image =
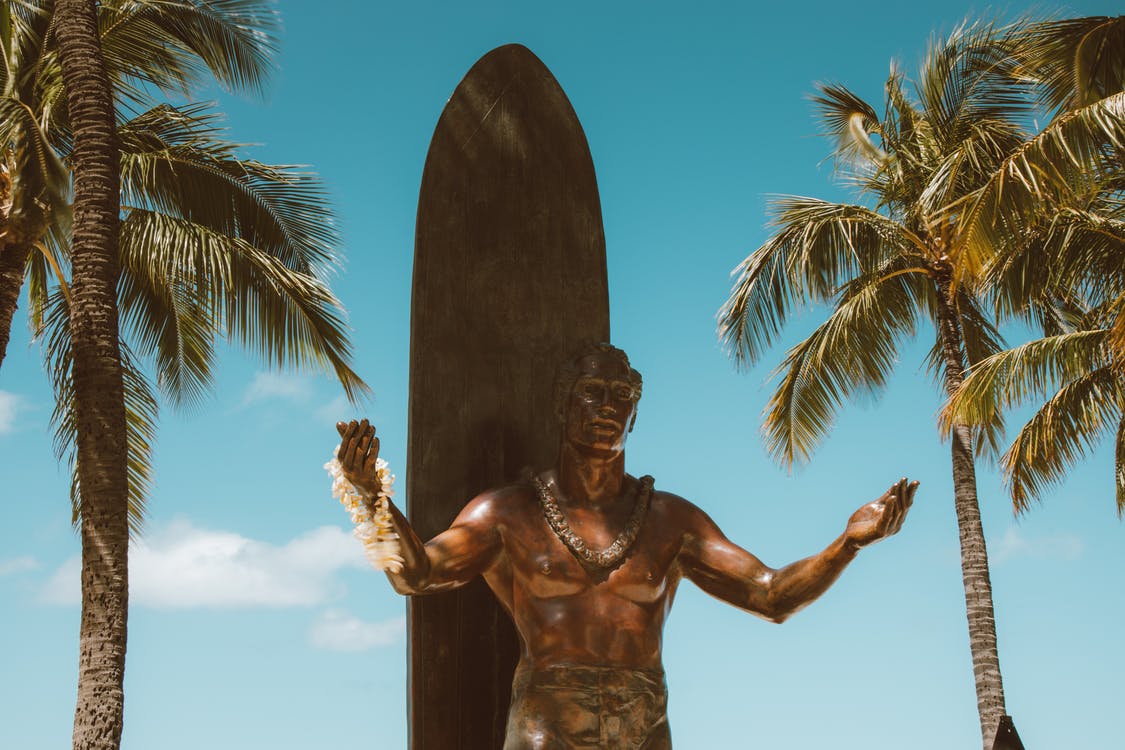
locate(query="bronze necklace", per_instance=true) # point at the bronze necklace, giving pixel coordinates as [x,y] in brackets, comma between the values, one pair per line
[612,555]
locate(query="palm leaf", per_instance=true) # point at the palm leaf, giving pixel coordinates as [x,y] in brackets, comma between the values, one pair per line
[1033,176]
[853,352]
[1037,368]
[175,161]
[818,248]
[287,317]
[141,411]
[849,121]
[1075,61]
[1062,432]
[965,80]
[173,45]
[39,175]
[1119,468]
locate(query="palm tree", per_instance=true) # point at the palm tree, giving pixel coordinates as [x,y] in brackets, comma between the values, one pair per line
[149,47]
[211,244]
[883,268]
[99,399]
[1066,273]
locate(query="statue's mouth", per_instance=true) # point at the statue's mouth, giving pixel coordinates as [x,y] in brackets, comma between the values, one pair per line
[605,425]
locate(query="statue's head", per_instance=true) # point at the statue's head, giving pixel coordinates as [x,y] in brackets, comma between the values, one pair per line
[596,395]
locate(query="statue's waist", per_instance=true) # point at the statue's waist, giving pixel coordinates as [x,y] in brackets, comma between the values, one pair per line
[590,678]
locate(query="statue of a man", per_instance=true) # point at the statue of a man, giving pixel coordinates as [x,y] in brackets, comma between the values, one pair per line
[586,559]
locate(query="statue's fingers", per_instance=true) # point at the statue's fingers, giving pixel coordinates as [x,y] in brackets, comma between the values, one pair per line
[910,490]
[351,444]
[903,499]
[348,431]
[342,428]
[365,436]
[893,508]
[905,502]
[372,456]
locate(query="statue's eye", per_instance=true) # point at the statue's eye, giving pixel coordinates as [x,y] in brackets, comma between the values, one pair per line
[623,392]
[590,389]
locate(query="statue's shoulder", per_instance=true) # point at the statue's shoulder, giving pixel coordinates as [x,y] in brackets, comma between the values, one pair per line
[499,503]
[673,509]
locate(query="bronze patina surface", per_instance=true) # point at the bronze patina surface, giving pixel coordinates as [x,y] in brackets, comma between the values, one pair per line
[572,616]
[588,708]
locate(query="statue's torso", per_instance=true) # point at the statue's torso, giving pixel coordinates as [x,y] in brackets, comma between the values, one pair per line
[567,613]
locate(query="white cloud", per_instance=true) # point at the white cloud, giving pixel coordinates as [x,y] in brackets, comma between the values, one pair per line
[10,403]
[339,631]
[182,566]
[1014,544]
[335,410]
[268,385]
[17,565]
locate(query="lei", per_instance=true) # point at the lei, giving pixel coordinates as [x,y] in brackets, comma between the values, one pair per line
[373,524]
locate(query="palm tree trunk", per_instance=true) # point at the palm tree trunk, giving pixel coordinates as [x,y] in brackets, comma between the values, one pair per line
[974,555]
[99,399]
[13,260]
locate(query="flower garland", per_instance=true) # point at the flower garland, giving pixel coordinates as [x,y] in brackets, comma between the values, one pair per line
[373,524]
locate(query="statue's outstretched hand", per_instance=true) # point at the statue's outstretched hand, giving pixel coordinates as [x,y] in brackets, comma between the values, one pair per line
[883,516]
[359,449]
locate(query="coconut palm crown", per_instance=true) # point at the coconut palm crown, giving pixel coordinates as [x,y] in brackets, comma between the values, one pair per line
[213,245]
[883,266]
[1062,196]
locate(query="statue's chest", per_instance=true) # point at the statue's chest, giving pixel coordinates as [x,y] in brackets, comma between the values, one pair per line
[546,567]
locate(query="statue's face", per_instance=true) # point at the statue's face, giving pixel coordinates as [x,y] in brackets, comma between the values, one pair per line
[602,404]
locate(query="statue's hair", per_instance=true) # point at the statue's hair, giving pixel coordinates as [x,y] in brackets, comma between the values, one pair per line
[570,370]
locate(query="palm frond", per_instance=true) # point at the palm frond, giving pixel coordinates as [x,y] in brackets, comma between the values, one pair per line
[175,161]
[168,316]
[1087,251]
[1062,432]
[39,177]
[174,44]
[1119,468]
[287,317]
[849,121]
[1014,376]
[818,248]
[1074,61]
[141,411]
[967,163]
[1034,176]
[853,352]
[980,340]
[966,79]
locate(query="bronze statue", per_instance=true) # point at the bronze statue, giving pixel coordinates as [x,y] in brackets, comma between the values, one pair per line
[586,559]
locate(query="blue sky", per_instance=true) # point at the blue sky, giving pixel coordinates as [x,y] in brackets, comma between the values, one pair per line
[255,622]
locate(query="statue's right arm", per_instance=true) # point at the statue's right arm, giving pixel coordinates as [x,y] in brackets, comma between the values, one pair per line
[452,558]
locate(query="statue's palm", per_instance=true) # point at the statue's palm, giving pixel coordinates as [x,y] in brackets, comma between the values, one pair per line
[883,516]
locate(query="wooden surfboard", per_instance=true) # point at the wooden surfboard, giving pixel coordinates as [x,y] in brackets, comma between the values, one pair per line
[509,280]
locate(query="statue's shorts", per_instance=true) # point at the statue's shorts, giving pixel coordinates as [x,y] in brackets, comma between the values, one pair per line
[588,708]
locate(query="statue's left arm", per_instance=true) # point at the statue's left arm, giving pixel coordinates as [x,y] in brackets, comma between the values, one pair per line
[723,569]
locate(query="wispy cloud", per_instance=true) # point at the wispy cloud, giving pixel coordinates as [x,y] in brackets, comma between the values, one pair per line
[276,385]
[10,404]
[1014,544]
[18,565]
[182,566]
[335,410]
[338,631]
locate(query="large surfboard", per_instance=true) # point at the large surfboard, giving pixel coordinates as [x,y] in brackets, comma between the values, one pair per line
[509,280]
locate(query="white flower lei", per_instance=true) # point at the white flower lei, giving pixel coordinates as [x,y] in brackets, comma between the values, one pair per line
[373,525]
